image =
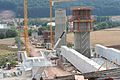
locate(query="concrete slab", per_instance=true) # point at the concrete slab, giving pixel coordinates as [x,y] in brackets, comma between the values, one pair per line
[82,63]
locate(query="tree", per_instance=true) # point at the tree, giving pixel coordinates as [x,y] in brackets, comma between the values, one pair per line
[2,36]
[40,31]
[106,25]
[30,32]
[11,33]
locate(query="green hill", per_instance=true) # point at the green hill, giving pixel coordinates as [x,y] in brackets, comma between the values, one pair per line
[40,8]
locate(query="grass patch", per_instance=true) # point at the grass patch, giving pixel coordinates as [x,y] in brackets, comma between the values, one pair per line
[7,54]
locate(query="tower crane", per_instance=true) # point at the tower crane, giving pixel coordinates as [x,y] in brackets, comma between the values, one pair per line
[26,26]
[26,22]
[52,4]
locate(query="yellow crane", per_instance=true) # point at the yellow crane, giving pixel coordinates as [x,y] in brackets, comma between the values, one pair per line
[51,4]
[26,22]
[26,26]
[51,35]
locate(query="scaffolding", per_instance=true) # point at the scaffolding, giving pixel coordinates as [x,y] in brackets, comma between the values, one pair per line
[82,25]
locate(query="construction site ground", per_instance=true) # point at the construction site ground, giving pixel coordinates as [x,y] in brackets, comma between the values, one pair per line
[53,72]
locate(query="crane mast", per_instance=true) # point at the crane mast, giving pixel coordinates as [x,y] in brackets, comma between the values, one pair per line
[26,25]
[51,35]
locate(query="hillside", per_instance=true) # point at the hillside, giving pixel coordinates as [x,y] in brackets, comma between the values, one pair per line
[107,37]
[40,8]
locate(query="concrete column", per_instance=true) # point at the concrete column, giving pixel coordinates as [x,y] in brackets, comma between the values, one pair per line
[82,25]
[60,22]
[82,43]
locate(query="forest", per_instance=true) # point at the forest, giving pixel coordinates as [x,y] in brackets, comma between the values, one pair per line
[40,8]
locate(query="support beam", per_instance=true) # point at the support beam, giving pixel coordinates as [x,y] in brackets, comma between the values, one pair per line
[82,63]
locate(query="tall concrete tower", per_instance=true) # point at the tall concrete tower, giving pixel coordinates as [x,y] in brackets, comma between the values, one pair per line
[82,25]
[60,22]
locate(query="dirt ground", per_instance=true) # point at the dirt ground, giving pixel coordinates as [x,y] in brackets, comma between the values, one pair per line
[107,37]
[56,71]
[8,41]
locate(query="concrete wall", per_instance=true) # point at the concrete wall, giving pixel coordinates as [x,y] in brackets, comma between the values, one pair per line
[82,63]
[108,53]
[100,50]
[82,43]
[34,65]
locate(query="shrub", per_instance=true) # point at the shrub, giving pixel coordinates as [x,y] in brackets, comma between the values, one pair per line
[2,36]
